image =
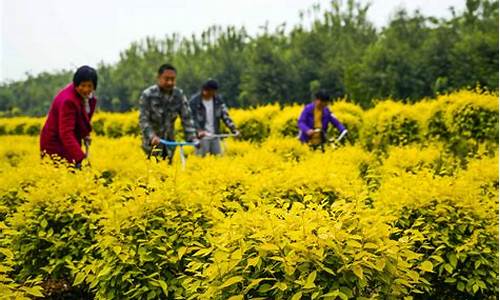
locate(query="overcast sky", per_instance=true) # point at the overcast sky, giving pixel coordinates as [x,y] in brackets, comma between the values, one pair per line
[49,35]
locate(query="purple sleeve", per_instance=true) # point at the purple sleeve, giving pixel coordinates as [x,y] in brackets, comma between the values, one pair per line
[302,121]
[336,122]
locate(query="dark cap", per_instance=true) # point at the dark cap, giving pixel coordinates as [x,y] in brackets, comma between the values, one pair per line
[210,85]
[322,95]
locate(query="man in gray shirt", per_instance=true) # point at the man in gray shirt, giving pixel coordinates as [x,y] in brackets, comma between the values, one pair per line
[159,107]
[208,109]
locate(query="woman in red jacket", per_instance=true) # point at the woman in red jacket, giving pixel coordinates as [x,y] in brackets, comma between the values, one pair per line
[68,120]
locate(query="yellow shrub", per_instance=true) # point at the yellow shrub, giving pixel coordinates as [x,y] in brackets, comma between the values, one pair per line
[126,226]
[284,123]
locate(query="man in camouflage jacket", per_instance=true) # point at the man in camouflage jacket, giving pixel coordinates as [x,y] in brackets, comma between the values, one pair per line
[159,107]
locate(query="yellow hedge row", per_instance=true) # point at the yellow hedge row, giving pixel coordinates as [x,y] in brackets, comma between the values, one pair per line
[460,119]
[273,220]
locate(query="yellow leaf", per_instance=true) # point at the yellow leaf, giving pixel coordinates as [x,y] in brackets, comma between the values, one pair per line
[34,291]
[297,296]
[413,275]
[310,281]
[203,252]
[269,247]
[426,266]
[104,271]
[370,246]
[231,281]
[7,253]
[281,286]
[358,271]
[117,249]
[181,252]
[380,264]
[255,282]
[252,262]
[163,286]
[79,278]
[353,244]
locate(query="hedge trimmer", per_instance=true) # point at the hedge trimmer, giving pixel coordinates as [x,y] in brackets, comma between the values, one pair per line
[334,142]
[181,146]
[86,142]
[220,136]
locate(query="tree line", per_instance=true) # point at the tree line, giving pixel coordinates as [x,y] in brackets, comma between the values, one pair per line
[337,48]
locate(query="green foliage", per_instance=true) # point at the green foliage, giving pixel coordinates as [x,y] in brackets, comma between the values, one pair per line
[254,130]
[462,120]
[390,123]
[446,219]
[147,256]
[334,254]
[450,239]
[8,286]
[47,236]
[334,47]
[274,220]
[290,128]
[471,121]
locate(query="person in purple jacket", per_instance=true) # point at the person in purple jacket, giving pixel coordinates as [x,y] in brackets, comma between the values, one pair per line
[314,119]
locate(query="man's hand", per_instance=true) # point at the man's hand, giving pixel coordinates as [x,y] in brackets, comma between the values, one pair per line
[203,133]
[310,132]
[155,141]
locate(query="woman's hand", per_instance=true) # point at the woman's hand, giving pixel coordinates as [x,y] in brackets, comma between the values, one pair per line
[87,140]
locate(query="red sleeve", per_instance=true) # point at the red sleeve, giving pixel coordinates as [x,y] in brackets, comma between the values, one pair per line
[92,103]
[67,122]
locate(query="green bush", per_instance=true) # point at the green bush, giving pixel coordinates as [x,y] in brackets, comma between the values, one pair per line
[146,257]
[436,127]
[294,252]
[48,236]
[9,287]
[290,128]
[114,129]
[390,123]
[351,116]
[98,126]
[475,122]
[132,129]
[453,225]
[19,128]
[453,118]
[3,129]
[461,246]
[254,130]
[464,115]
[33,129]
